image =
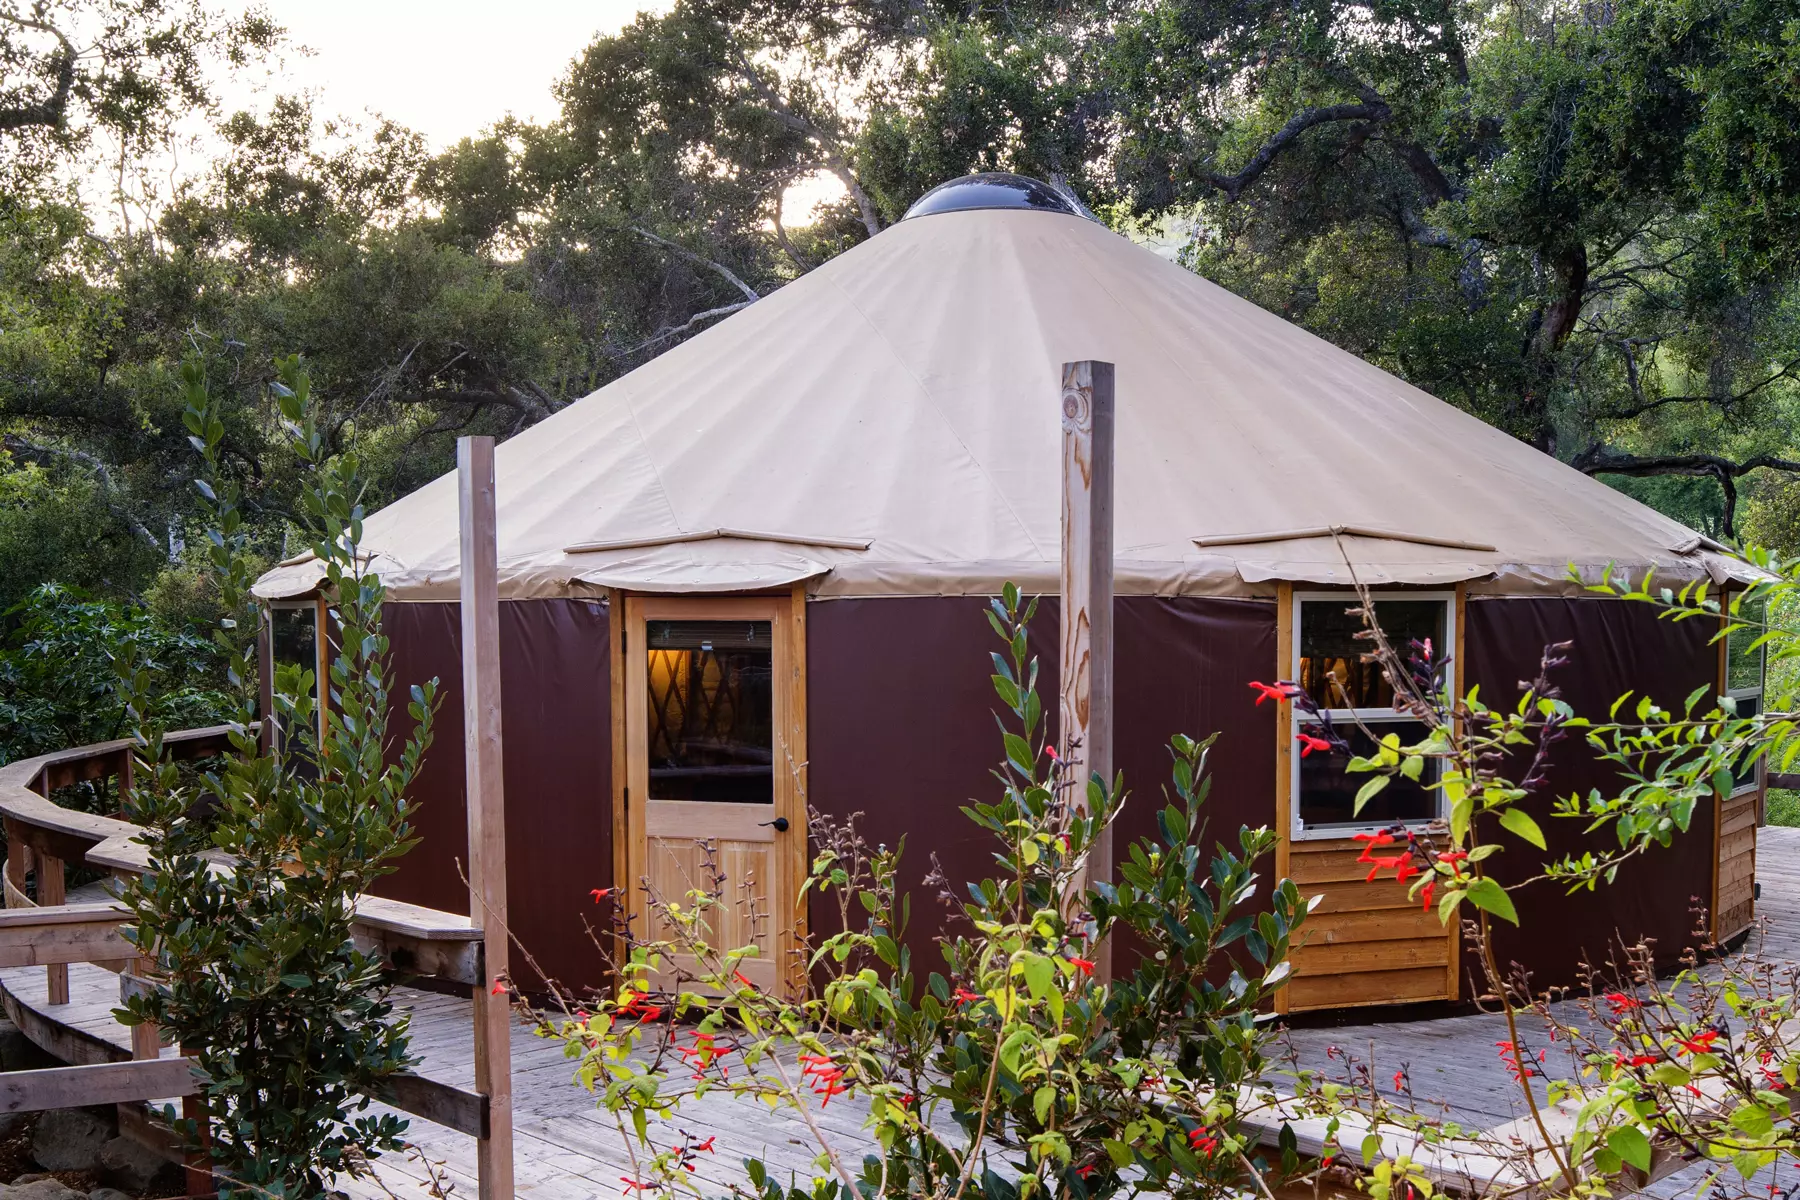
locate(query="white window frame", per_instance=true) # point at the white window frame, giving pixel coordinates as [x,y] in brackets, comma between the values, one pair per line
[1755,782]
[1297,830]
[321,653]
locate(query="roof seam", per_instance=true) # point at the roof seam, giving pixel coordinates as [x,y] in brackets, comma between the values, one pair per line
[932,401]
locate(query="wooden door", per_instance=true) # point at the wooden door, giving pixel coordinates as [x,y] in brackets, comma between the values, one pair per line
[715,753]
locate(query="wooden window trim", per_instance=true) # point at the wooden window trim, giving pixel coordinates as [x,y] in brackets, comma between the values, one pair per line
[1288,633]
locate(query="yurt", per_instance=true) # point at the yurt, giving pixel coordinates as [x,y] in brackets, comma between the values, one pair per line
[747,579]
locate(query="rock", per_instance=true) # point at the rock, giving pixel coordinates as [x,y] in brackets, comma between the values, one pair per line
[129,1164]
[69,1139]
[46,1188]
[17,1053]
[106,1193]
[31,1177]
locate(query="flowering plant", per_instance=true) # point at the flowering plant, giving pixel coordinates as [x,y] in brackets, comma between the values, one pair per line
[1652,1072]
[1019,1070]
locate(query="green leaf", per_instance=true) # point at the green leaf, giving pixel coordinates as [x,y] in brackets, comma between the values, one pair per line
[1489,896]
[1754,1120]
[1368,791]
[1041,1100]
[296,981]
[1519,822]
[1118,1151]
[1630,1144]
[1040,975]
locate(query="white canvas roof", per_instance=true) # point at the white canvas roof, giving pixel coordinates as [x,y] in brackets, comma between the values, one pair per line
[889,424]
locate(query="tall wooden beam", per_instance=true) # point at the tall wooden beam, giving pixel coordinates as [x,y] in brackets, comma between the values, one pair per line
[487,808]
[1086,702]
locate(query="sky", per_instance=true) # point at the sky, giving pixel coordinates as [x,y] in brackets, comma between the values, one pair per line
[445,68]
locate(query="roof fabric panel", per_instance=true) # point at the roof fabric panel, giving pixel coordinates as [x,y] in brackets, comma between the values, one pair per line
[907,393]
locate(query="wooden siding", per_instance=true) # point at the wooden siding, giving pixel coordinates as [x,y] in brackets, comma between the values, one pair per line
[1367,942]
[1736,904]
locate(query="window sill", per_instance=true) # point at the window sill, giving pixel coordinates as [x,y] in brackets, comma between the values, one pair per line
[1344,833]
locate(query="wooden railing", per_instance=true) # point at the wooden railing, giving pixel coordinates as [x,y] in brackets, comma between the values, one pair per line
[43,839]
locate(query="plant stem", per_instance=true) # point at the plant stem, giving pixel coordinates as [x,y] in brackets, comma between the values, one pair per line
[1512,1033]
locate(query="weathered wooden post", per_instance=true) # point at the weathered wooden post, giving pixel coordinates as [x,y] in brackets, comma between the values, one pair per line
[487,810]
[1086,706]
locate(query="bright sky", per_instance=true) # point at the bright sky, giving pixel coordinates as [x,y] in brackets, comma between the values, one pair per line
[446,68]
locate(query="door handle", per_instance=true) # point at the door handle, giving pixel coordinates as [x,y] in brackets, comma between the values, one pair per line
[780,824]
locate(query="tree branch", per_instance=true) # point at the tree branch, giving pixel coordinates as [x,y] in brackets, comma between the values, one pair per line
[1598,459]
[835,161]
[724,271]
[49,112]
[35,452]
[664,334]
[1234,185]
[1724,403]
[781,239]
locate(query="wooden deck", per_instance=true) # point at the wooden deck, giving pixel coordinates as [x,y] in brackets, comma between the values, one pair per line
[566,1148]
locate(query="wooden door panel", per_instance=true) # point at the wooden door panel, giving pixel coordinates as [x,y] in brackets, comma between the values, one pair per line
[755,867]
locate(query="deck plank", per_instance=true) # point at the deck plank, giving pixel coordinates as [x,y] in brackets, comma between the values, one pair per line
[568,1149]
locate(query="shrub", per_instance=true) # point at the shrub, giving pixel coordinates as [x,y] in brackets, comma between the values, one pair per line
[254,871]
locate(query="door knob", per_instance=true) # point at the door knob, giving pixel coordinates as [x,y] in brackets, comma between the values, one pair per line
[780,824]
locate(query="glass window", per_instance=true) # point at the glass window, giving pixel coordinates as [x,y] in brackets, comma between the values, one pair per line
[294,642]
[711,711]
[1331,667]
[1744,669]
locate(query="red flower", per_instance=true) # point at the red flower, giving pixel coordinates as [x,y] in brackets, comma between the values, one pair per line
[635,1185]
[1400,1080]
[964,996]
[1405,871]
[1309,743]
[1621,1003]
[742,980]
[1430,886]
[1204,1142]
[499,988]
[705,1147]
[1700,1043]
[1085,966]
[1051,751]
[1084,1172]
[600,894]
[1274,691]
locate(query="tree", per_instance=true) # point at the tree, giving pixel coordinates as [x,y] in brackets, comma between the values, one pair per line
[72,71]
[1565,219]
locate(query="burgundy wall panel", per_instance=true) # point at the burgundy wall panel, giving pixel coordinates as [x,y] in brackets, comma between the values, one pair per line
[1618,646]
[901,727]
[556,725]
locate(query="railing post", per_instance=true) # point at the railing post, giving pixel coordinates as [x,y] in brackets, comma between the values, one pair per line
[1086,700]
[50,892]
[486,807]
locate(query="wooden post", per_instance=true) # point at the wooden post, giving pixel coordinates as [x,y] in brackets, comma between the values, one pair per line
[1086,703]
[486,804]
[50,881]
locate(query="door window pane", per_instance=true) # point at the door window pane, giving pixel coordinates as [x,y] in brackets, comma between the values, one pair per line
[1329,645]
[711,711]
[1328,789]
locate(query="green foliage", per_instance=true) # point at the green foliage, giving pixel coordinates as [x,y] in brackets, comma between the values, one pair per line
[57,673]
[1063,1083]
[253,871]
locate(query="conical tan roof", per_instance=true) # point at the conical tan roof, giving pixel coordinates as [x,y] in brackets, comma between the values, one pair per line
[889,424]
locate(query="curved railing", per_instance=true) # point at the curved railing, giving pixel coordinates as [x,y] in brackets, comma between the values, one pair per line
[43,838]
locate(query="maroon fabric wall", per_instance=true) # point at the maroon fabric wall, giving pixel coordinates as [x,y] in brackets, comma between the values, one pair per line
[1618,646]
[900,708]
[556,722]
